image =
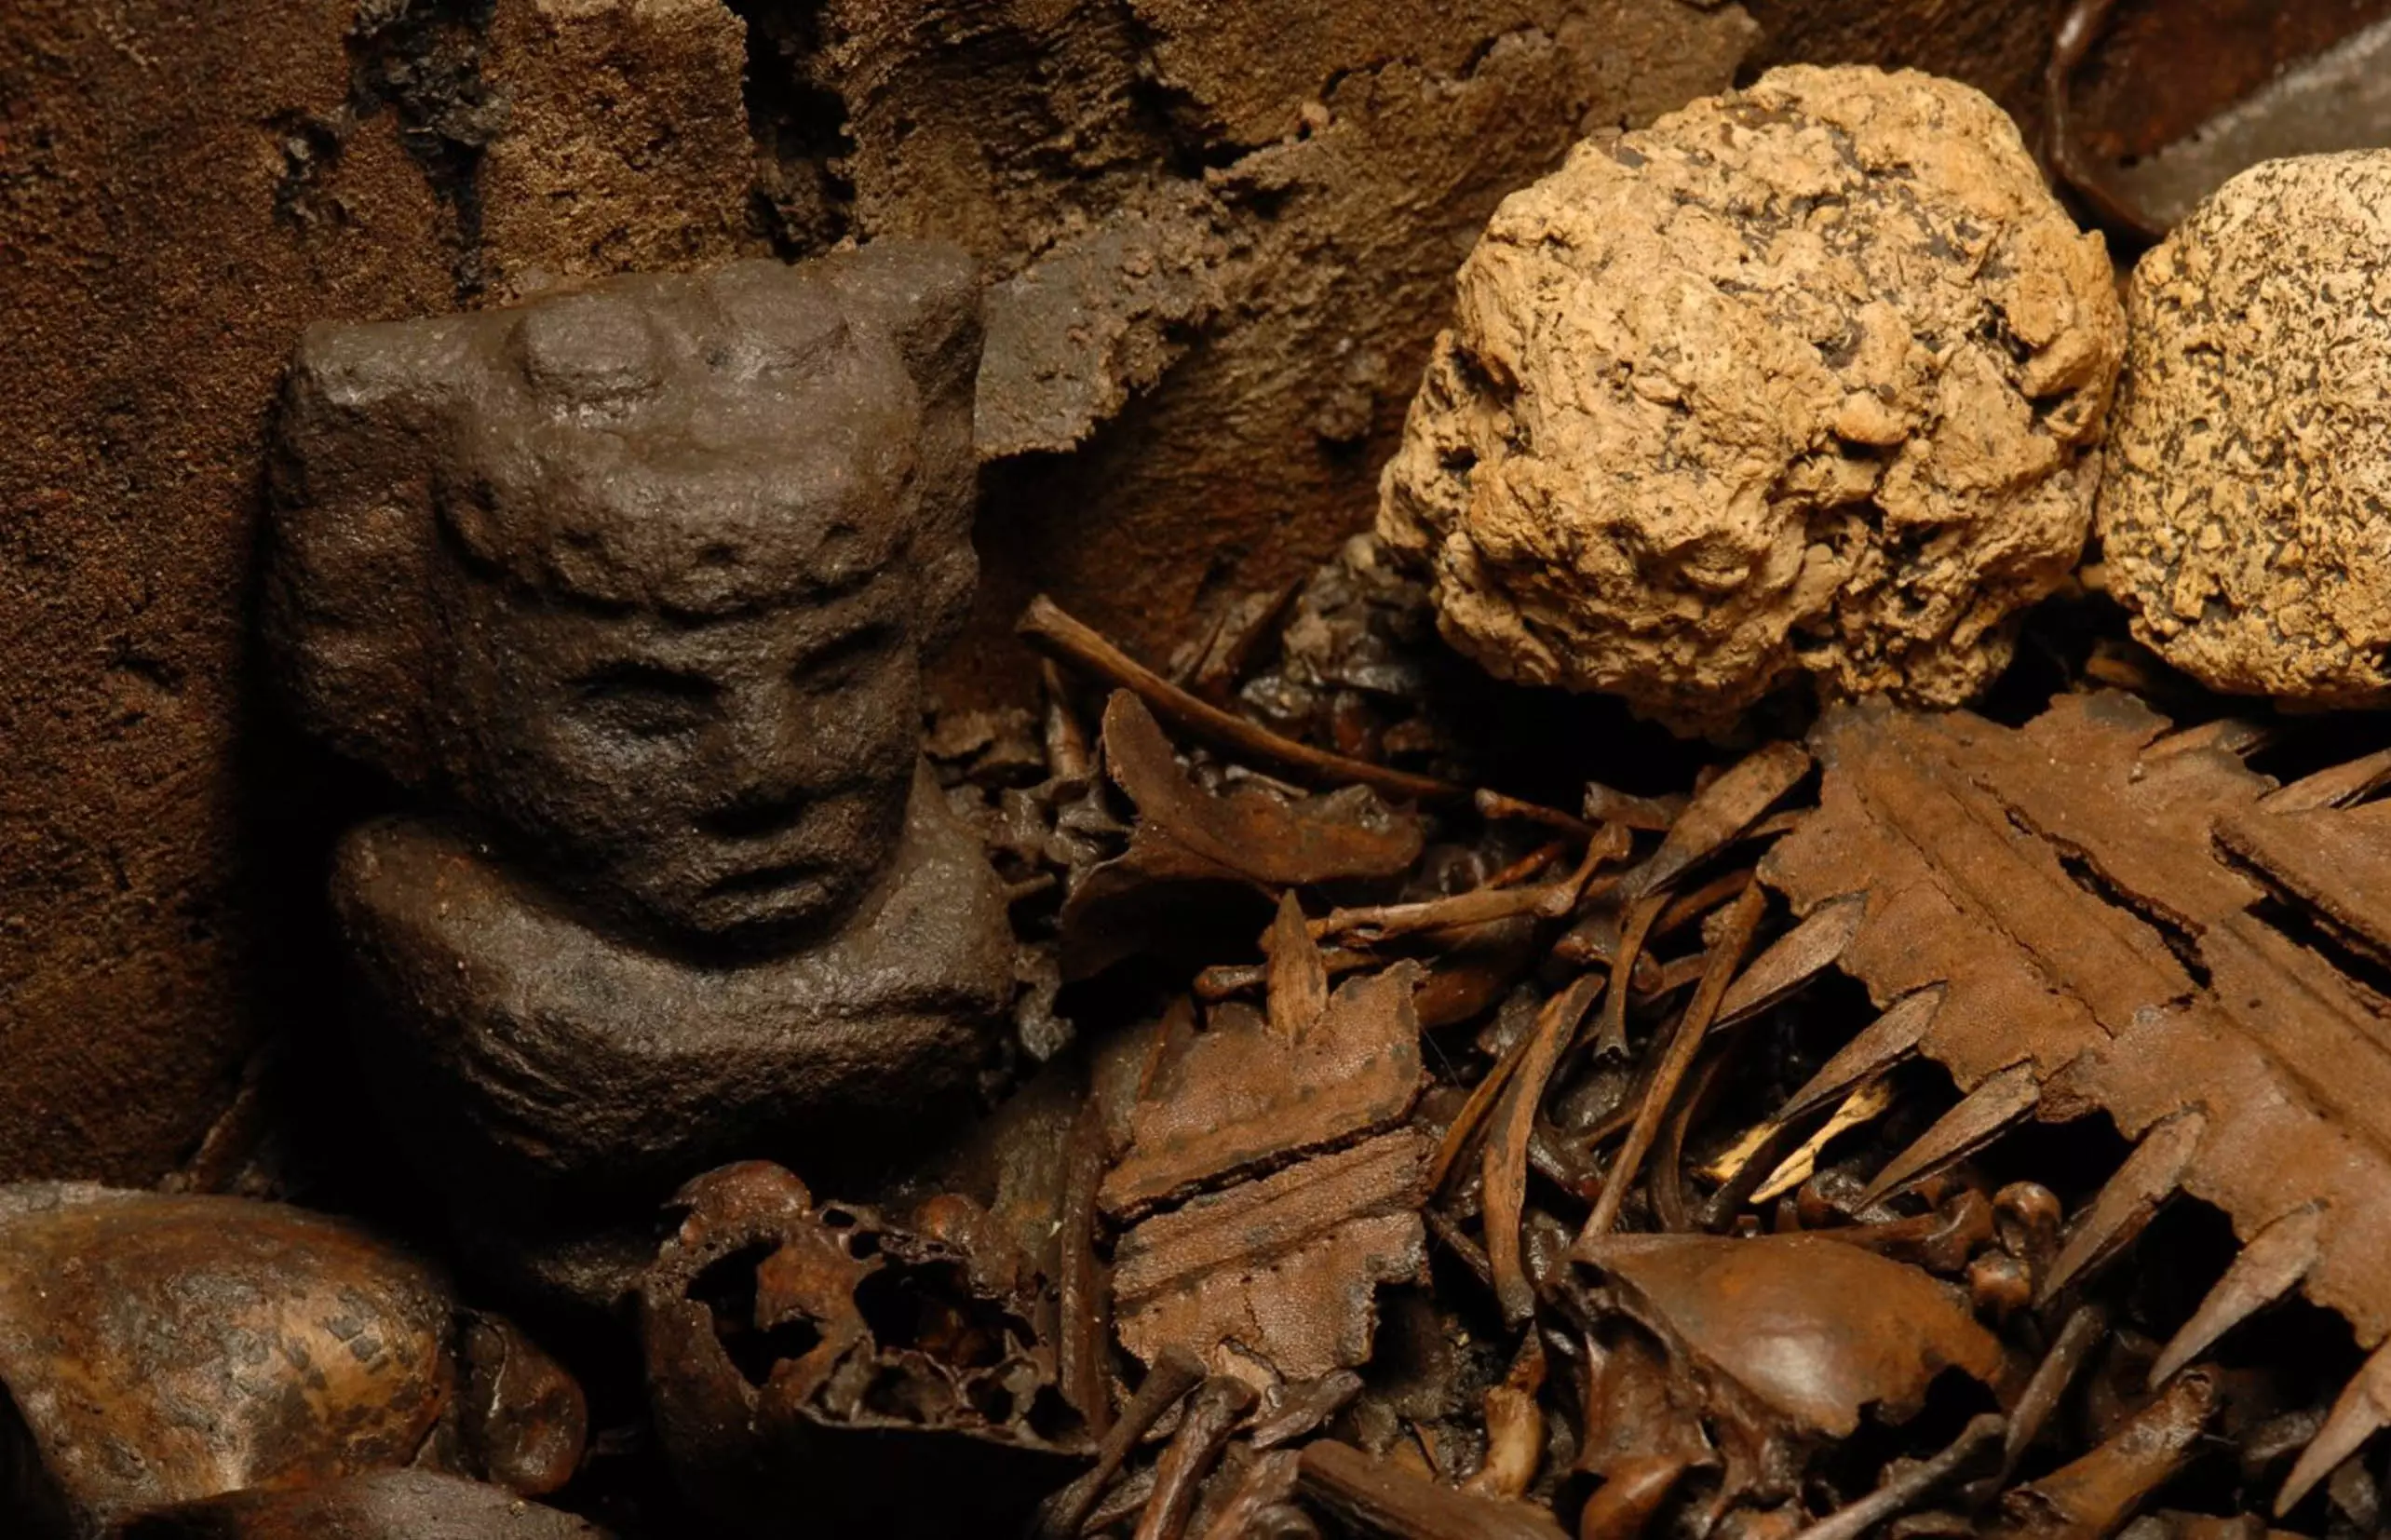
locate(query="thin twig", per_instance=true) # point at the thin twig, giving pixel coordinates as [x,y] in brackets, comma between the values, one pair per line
[1903,1491]
[2085,1329]
[1174,1373]
[1223,979]
[1495,804]
[1086,1304]
[1528,865]
[1669,1177]
[1212,1414]
[1633,931]
[1725,957]
[1506,1149]
[1046,627]
[1604,804]
[1476,906]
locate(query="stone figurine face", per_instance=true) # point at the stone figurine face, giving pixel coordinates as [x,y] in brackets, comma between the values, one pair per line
[737,777]
[671,549]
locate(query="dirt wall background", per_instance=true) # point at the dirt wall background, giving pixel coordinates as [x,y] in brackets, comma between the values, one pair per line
[1221,236]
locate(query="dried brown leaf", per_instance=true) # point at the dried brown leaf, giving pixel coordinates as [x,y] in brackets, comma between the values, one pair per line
[2129,918]
[1298,976]
[1240,1099]
[1191,848]
[1272,840]
[1285,1269]
[2066,895]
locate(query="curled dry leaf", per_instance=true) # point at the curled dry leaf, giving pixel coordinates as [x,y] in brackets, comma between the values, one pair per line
[1809,1329]
[1188,842]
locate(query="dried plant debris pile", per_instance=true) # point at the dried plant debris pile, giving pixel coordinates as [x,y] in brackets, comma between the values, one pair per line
[1927,1124]
[1543,1172]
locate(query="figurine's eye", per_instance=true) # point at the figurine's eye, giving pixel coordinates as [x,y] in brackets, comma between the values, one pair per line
[646,701]
[844,661]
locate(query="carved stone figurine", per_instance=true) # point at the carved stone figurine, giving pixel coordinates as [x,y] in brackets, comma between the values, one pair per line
[632,587]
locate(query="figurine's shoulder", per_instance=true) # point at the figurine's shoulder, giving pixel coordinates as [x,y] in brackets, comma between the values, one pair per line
[434,898]
[548,1044]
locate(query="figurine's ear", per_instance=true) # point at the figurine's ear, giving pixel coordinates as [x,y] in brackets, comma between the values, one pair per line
[926,299]
[363,426]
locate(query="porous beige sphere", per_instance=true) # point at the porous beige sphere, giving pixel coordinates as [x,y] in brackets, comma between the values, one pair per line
[2246,514]
[1802,379]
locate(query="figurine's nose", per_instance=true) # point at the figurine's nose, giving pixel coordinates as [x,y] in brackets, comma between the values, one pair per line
[774,762]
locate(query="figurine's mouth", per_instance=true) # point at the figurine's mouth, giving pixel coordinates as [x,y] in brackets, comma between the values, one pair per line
[773,880]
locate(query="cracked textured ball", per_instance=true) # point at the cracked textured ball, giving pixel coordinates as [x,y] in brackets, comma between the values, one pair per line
[1804,380]
[2246,512]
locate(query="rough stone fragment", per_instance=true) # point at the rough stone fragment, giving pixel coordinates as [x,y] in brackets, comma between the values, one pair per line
[1800,381]
[1097,321]
[2246,514]
[281,165]
[1305,190]
[624,145]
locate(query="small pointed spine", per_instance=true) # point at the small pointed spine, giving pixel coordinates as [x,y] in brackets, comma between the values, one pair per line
[1799,955]
[2275,1259]
[2000,1100]
[1880,1045]
[2337,786]
[2146,1179]
[2364,1406]
[1298,978]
